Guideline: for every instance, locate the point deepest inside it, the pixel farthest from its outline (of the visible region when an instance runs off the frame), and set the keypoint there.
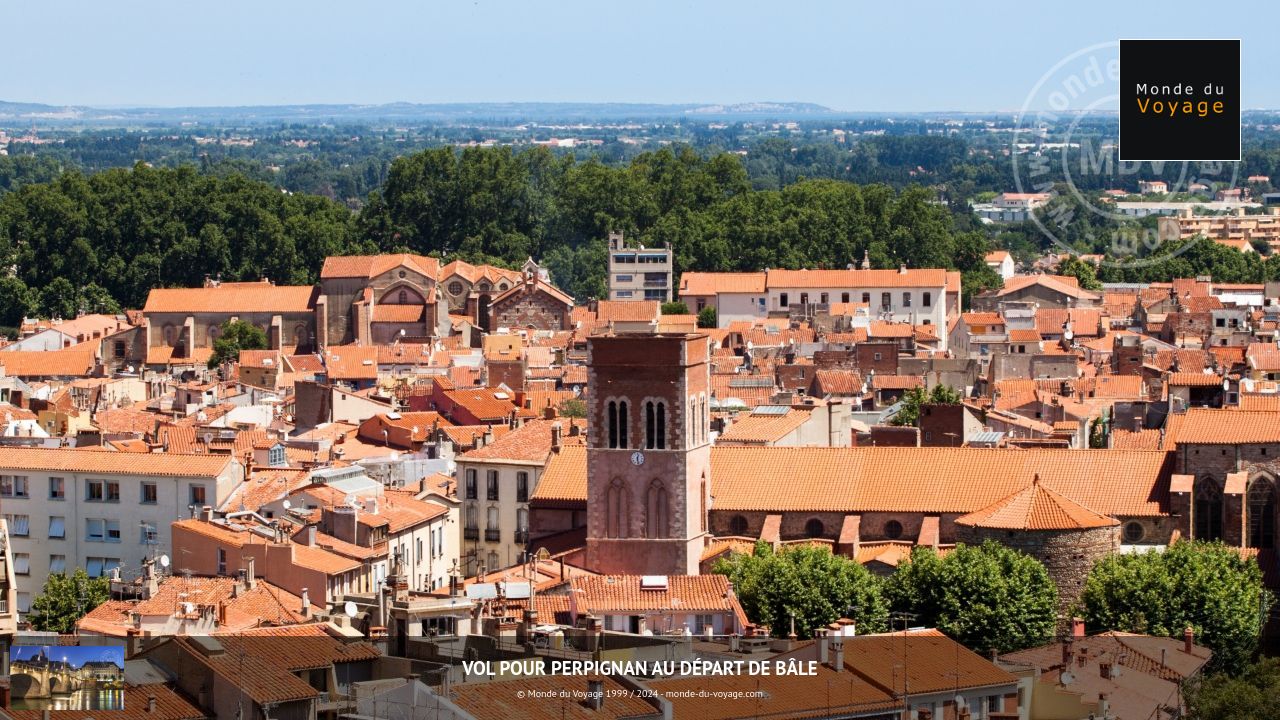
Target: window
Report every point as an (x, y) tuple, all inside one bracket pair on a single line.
[(927, 301), (149, 535), (471, 485), (93, 490), (113, 530), (21, 564), (822, 298), (57, 488), (1262, 512), (624, 293), (1208, 509), (657, 518), (737, 525), (783, 300), (893, 529), (119, 348), (148, 493), (419, 555), (1134, 532), (522, 487), (617, 524), (13, 486), (19, 525), (57, 564), (24, 602), (906, 299), (623, 278), (57, 527), (814, 528), (471, 517), (655, 425), (222, 561), (866, 298), (94, 529), (617, 421), (804, 298), (493, 560), (276, 455), (844, 297), (491, 484), (113, 491), (196, 493), (886, 300)]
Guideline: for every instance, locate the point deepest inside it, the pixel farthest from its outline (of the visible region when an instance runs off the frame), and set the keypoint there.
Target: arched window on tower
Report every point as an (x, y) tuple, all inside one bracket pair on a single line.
[(624, 439), (611, 410), (616, 510), (655, 425), (657, 516), (1208, 509), (1262, 512), (403, 297)]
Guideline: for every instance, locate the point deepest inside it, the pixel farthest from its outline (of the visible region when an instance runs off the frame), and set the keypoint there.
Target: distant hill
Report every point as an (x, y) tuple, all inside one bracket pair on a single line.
[(17, 113)]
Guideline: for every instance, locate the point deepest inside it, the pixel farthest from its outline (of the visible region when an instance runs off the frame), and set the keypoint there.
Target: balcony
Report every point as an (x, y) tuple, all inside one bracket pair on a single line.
[(492, 535), (522, 537), (471, 533)]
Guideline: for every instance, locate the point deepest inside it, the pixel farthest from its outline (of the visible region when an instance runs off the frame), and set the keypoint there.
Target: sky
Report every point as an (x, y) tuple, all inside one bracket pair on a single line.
[(76, 655), (852, 56)]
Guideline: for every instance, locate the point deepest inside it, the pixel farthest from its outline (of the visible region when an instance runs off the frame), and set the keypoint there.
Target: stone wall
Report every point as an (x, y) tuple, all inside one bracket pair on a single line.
[(1068, 555)]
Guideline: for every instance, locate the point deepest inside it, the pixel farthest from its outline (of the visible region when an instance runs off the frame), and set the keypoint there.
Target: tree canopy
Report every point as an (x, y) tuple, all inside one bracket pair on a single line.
[(809, 585), (1206, 586), (1254, 694), (987, 597), (66, 598), (913, 399), (236, 335)]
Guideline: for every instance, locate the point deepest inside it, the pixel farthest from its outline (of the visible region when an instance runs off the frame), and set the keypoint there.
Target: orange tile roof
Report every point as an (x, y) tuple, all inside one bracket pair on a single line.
[(1259, 403), (169, 705), (1140, 440), (1194, 379), (826, 693), (126, 420), (351, 362), (393, 313), (529, 443), (838, 382), (506, 700), (997, 256), (1036, 507), (465, 435), (75, 361), (887, 479), (762, 429), (628, 310), (232, 298), (368, 266), (927, 277), (1210, 426), (1024, 335), (896, 382), (263, 680), (982, 318), (1065, 285), (611, 594), (483, 403), (1085, 322), (84, 461), (532, 286), (707, 283)]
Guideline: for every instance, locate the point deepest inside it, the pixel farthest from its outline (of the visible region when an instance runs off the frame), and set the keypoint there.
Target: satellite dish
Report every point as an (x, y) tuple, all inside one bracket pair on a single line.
[(1067, 678), (187, 608), (286, 504), (1068, 334), (164, 561), (350, 609)]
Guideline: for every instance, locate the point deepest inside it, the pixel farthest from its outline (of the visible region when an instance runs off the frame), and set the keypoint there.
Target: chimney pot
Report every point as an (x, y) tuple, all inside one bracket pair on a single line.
[(1077, 627), (151, 703), (1188, 639), (595, 694), (206, 513), (306, 604), (311, 535)]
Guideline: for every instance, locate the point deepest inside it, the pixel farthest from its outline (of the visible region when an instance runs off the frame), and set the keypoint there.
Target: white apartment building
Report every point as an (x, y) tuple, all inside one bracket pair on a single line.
[(639, 273), (69, 509)]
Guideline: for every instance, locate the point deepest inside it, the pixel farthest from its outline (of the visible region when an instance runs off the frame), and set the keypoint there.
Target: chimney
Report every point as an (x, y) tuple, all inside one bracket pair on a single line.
[(306, 604), (549, 412), (222, 622), (1067, 652), (311, 536), (151, 703), (555, 437), (821, 634), (837, 659), (206, 513), (1188, 639), (373, 506), (1104, 707), (1077, 627), (595, 694), (902, 269), (250, 580)]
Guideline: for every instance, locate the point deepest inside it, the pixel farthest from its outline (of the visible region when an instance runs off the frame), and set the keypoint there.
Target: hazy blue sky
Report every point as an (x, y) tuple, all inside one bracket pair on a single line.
[(850, 56)]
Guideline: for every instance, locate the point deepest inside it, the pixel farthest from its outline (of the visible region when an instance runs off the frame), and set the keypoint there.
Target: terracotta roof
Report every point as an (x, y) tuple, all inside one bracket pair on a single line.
[(1194, 379), (262, 679), (997, 256), (232, 298), (465, 435), (756, 429), (1036, 507), (531, 286), (837, 382), (896, 382), (1065, 285), (506, 700), (483, 403), (75, 361), (927, 278), (1259, 403), (367, 266), (982, 318), (83, 461), (887, 479), (124, 420), (611, 594), (351, 362), (628, 310), (1209, 426), (1139, 440), (392, 313), (531, 442), (881, 329), (169, 705), (1024, 335), (1085, 322), (707, 283), (826, 693)]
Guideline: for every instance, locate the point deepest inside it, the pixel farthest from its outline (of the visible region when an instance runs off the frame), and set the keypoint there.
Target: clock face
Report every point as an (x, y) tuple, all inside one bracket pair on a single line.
[(637, 458)]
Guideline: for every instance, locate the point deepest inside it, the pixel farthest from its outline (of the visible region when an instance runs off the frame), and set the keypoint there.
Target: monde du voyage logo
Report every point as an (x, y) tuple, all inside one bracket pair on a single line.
[(1180, 100)]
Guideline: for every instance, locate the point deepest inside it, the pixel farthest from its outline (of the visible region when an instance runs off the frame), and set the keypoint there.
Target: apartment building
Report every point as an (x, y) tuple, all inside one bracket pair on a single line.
[(96, 510), (639, 273), (1235, 229)]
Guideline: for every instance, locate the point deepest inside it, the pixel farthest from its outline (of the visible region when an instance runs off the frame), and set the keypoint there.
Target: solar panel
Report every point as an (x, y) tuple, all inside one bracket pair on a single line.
[(516, 590), (771, 410), (482, 591)]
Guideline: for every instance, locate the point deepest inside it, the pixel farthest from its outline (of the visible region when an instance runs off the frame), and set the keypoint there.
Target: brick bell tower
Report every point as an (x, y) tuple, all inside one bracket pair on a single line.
[(648, 452)]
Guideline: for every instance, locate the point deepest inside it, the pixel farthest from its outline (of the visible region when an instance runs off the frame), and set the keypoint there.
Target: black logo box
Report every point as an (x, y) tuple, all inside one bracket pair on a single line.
[(1188, 65)]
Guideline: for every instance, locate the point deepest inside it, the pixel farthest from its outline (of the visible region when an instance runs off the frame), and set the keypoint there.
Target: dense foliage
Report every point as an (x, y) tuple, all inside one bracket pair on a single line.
[(807, 585), (1206, 586), (909, 413), (1252, 695), (987, 597), (236, 335), (66, 598)]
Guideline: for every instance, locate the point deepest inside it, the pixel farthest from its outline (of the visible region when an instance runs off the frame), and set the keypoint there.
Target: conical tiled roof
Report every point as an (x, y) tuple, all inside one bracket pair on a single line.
[(1036, 507)]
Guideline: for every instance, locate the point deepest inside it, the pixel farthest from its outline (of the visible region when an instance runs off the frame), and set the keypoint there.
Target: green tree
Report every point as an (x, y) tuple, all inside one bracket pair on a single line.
[(987, 597), (66, 598), (807, 584), (675, 308), (913, 399), (573, 408), (1208, 587), (1085, 272), (236, 335), (707, 318), (16, 301), (59, 299), (1252, 695)]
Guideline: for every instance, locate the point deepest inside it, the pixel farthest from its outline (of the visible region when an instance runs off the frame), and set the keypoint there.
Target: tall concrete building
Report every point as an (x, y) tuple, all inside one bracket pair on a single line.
[(639, 273), (648, 453)]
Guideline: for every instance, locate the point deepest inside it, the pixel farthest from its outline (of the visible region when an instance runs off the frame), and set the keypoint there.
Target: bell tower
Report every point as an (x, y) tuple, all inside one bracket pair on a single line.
[(648, 452)]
